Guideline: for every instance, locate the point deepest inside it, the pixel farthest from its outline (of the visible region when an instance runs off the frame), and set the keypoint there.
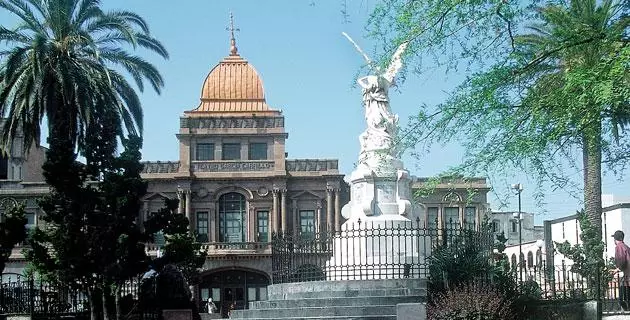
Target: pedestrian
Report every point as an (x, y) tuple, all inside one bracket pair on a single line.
[(622, 262), (212, 308)]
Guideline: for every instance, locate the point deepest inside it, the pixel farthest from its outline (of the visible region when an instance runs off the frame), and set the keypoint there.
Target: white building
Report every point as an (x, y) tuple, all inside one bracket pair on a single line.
[(508, 223), (615, 216)]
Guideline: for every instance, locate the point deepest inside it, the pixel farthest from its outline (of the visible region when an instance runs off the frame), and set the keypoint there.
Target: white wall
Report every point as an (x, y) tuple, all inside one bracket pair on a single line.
[(612, 219)]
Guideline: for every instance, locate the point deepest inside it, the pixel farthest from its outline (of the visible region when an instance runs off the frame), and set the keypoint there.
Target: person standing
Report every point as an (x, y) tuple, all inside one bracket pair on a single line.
[(622, 262), (212, 308)]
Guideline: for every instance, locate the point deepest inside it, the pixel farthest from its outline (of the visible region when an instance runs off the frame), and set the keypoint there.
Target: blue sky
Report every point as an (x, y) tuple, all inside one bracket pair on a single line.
[(308, 70)]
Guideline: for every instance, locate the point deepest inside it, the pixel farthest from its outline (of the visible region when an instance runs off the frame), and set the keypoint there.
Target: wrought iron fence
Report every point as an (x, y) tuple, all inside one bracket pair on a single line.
[(562, 282), (43, 299), (368, 250), (28, 296)]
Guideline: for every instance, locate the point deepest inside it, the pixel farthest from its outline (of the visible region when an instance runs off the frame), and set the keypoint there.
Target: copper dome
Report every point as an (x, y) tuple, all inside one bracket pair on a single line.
[(232, 86)]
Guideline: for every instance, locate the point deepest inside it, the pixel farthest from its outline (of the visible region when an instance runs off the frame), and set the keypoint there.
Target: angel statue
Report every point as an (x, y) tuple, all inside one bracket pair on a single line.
[(382, 124)]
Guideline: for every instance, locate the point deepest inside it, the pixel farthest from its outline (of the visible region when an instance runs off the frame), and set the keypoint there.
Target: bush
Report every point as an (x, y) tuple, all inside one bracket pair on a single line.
[(470, 302)]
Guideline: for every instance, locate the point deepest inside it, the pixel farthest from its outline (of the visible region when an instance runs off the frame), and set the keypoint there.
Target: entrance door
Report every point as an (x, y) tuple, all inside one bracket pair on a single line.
[(233, 298), (233, 287)]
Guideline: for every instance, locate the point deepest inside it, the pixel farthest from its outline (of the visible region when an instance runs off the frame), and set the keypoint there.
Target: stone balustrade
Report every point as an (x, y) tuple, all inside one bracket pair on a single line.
[(312, 165), (219, 248), (160, 166), (237, 247)]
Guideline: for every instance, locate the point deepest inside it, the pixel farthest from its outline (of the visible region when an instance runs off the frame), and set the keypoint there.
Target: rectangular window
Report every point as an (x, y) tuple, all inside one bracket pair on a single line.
[(204, 151), (4, 167), (258, 151), (432, 217), (514, 226), (495, 226), (251, 294), (30, 217), (451, 215), (307, 223), (202, 226), (263, 226), (469, 215), (231, 151)]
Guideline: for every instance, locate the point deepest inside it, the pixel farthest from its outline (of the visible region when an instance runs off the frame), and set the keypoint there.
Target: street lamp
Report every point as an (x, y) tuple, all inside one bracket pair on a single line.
[(519, 216)]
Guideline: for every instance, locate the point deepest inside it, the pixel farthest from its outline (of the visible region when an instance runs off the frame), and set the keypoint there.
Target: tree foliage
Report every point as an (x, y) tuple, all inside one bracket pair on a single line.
[(63, 61), (548, 84), (12, 231)]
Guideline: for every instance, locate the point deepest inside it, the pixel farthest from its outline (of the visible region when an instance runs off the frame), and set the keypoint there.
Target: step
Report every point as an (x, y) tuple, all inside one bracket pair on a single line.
[(349, 294), (323, 311), (338, 301), (389, 317), (343, 285)]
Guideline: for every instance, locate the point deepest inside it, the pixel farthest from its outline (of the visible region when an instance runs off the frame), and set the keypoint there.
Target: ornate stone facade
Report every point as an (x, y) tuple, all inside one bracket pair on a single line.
[(236, 185)]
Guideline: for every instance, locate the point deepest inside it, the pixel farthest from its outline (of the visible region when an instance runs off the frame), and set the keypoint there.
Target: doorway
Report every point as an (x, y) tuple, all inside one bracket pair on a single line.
[(233, 289)]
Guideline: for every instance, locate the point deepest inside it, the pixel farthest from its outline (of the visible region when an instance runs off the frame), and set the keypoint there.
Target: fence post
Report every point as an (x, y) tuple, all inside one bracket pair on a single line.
[(599, 288), (31, 296)]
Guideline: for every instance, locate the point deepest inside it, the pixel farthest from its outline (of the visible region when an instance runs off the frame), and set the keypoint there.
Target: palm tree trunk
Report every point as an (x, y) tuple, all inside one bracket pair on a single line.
[(592, 158)]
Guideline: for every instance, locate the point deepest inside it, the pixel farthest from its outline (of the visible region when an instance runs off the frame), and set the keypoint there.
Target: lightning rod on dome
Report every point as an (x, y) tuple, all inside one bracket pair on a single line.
[(233, 48)]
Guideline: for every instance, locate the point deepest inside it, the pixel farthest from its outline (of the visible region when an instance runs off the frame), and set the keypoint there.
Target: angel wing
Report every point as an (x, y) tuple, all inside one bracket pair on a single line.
[(395, 63), (356, 46)]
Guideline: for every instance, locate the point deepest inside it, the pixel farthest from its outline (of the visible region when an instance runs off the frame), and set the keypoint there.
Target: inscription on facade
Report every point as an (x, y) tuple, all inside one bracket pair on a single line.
[(232, 123), (232, 166)]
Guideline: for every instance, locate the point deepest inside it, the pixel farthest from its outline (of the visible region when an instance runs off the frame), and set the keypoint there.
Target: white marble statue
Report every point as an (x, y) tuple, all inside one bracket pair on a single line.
[(378, 139)]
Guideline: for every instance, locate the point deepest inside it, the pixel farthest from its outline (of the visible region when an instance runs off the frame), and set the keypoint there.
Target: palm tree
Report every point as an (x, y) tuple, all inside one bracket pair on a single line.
[(64, 62), (574, 49)]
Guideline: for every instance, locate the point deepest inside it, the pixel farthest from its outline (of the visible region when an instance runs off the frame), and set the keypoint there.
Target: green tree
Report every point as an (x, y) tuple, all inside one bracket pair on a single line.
[(550, 84), (62, 62), (95, 242), (12, 231)]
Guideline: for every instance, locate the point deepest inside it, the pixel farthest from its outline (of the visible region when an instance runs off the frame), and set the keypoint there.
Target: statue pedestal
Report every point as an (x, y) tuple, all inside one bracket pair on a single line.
[(380, 238)]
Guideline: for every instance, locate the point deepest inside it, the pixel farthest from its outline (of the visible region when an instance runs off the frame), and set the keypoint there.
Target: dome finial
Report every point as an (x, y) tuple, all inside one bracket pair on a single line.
[(233, 49)]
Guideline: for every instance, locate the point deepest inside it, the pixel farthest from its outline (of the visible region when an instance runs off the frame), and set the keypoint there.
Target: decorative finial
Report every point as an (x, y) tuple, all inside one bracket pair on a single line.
[(233, 49)]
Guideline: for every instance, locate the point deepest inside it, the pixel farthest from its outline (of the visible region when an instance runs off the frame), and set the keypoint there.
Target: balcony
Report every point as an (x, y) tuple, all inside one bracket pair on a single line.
[(224, 248)]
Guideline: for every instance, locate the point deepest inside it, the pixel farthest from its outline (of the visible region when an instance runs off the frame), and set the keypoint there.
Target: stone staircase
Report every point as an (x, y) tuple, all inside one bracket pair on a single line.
[(351, 299)]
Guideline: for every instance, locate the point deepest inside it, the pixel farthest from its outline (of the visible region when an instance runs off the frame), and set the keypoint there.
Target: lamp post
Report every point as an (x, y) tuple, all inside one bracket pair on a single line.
[(519, 188)]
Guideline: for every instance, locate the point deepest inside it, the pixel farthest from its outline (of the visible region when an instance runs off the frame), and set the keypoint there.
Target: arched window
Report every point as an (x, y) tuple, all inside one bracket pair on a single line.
[(530, 259), (513, 260), (232, 213)]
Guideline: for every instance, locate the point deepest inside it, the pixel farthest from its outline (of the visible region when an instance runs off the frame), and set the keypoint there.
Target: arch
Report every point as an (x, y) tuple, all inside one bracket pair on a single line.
[(233, 286), (513, 260), (205, 273), (232, 216), (530, 259), (233, 189), (452, 197)]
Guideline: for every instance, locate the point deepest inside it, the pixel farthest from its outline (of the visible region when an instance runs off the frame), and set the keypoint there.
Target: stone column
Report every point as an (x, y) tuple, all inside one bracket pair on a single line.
[(191, 223), (180, 197), (144, 215), (337, 210), (252, 225), (296, 217), (274, 211), (283, 211), (329, 209), (318, 216)]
